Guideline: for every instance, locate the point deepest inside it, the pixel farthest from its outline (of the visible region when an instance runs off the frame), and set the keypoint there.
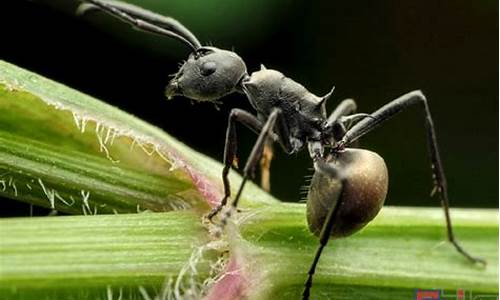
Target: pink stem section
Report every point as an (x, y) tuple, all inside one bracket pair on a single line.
[(210, 191), (231, 285)]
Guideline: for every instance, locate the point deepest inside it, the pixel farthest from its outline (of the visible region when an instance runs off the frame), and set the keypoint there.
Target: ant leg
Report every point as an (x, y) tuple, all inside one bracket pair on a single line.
[(230, 149), (253, 159), (282, 137), (265, 166), (138, 18), (346, 107), (336, 126), (265, 163), (268, 152), (320, 165), (386, 112)]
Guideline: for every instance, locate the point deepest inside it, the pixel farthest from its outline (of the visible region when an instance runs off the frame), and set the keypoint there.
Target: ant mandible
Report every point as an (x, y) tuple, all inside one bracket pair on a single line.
[(349, 185)]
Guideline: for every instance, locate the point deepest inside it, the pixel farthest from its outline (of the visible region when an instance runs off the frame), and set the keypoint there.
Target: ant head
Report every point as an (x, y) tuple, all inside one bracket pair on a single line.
[(208, 74)]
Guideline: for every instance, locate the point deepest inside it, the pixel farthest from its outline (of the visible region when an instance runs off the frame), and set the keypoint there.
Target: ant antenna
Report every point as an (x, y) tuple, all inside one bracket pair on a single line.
[(143, 20)]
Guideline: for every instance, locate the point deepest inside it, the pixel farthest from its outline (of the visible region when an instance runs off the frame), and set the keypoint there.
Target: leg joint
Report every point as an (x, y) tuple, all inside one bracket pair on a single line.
[(235, 113)]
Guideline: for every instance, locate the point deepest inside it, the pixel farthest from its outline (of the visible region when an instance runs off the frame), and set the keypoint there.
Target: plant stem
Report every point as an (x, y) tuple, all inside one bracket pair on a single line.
[(91, 256), (402, 250)]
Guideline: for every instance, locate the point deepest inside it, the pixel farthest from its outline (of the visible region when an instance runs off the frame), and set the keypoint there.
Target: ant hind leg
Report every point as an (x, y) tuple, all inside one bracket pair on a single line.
[(388, 111)]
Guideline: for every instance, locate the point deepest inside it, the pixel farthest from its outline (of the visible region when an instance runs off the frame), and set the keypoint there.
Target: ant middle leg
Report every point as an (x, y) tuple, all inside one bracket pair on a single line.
[(342, 118), (346, 107), (388, 111), (265, 166)]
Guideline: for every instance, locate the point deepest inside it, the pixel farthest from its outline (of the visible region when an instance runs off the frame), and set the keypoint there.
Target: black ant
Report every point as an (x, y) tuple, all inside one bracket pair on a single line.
[(349, 185)]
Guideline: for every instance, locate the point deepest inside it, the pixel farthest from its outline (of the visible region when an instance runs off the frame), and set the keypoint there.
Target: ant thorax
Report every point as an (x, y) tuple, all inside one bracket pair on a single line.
[(303, 112)]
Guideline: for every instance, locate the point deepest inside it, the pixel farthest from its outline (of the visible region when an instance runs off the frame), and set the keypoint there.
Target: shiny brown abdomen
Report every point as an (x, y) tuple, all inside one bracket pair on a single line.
[(362, 188)]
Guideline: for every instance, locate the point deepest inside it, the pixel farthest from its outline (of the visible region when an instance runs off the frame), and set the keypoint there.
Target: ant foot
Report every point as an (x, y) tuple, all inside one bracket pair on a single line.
[(339, 147), (227, 215), (217, 231), (214, 212), (217, 228), (211, 214)]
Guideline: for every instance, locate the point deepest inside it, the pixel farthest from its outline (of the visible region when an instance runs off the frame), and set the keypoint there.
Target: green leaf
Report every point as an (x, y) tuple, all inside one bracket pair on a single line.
[(62, 149)]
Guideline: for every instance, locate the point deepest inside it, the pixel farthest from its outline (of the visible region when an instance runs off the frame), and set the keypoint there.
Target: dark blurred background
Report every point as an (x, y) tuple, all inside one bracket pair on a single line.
[(371, 51)]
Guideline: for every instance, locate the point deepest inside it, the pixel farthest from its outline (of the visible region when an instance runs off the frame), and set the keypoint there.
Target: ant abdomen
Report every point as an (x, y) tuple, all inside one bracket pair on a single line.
[(361, 188)]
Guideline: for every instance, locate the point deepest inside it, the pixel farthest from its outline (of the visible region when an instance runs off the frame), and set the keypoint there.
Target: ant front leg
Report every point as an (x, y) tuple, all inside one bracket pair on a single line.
[(253, 159), (386, 112), (230, 149)]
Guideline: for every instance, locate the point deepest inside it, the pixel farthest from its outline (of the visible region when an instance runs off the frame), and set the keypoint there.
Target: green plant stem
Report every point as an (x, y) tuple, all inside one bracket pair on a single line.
[(403, 249), (87, 257)]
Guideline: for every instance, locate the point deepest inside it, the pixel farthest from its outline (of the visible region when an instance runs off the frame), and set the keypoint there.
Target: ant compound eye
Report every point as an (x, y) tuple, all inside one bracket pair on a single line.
[(208, 68)]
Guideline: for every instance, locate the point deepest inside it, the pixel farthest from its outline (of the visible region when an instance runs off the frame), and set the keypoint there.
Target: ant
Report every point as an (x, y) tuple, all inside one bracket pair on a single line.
[(349, 185)]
